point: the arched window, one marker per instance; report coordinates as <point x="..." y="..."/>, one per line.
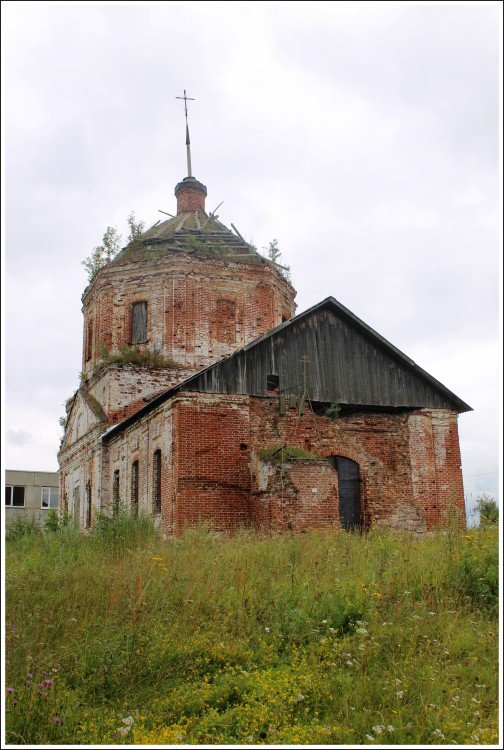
<point x="156" y="482"/>
<point x="134" y="487"/>
<point x="139" y="323"/>
<point x="115" y="493"/>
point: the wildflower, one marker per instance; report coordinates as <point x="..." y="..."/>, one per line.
<point x="469" y="536"/>
<point x="128" y="720"/>
<point x="398" y="681"/>
<point x="11" y="690"/>
<point x="41" y="685"/>
<point x="349" y="662"/>
<point x="378" y="729"/>
<point x="48" y="683"/>
<point x="399" y="694"/>
<point x="57" y="720"/>
<point x="123" y="730"/>
<point x="370" y="737"/>
<point x="439" y="733"/>
<point x="29" y="676"/>
<point x="267" y="630"/>
<point x="390" y="728"/>
<point x="377" y="595"/>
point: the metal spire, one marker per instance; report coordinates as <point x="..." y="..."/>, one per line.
<point x="188" y="141"/>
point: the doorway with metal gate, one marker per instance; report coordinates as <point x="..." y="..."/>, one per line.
<point x="349" y="491"/>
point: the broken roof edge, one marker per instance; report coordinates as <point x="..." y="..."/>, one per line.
<point x="328" y="301"/>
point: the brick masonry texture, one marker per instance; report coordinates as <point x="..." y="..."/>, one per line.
<point x="198" y="309"/>
<point x="409" y="465"/>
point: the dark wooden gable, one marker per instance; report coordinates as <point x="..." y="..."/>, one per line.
<point x="348" y="363"/>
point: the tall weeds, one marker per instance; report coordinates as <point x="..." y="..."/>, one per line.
<point x="317" y="638"/>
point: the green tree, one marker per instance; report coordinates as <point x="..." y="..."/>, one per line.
<point x="103" y="254"/>
<point x="488" y="510"/>
<point x="136" y="228"/>
<point x="274" y="255"/>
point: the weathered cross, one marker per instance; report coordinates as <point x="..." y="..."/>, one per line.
<point x="188" y="141"/>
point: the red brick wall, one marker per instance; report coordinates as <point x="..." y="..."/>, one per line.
<point x="211" y="461"/>
<point x="409" y="463"/>
<point x="198" y="309"/>
<point x="295" y="495"/>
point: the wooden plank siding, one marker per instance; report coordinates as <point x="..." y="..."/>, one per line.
<point x="347" y="365"/>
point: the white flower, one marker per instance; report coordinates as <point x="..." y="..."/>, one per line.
<point x="370" y="737"/>
<point x="349" y="662"/>
<point x="300" y="697"/>
<point x="123" y="730"/>
<point x="390" y="728"/>
<point x="128" y="720"/>
<point x="378" y="729"/>
<point x="438" y="732"/>
<point x="399" y="694"/>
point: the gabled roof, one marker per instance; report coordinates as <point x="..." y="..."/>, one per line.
<point x="236" y="373"/>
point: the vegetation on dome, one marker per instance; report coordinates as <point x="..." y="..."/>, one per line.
<point x="111" y="245"/>
<point x="131" y="355"/>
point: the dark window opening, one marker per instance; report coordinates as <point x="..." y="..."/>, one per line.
<point x="134" y="487"/>
<point x="139" y="323"/>
<point x="273" y="384"/>
<point x="89" y="340"/>
<point x="14" y="496"/>
<point x="115" y="493"/>
<point x="88" y="505"/>
<point x="156" y="469"/>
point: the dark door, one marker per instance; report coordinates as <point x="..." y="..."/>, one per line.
<point x="349" y="491"/>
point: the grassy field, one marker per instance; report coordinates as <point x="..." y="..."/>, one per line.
<point x="319" y="638"/>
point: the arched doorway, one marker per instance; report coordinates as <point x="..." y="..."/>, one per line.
<point x="349" y="491"/>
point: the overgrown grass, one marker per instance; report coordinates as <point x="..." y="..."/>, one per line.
<point x="319" y="638"/>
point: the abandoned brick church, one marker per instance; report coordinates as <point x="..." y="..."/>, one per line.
<point x="205" y="398"/>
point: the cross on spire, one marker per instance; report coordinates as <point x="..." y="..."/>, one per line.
<point x="188" y="141"/>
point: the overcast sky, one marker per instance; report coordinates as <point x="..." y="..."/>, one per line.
<point x="364" y="138"/>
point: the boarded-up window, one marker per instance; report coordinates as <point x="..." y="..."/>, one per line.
<point x="156" y="471"/>
<point x="139" y="323"/>
<point x="134" y="487"/>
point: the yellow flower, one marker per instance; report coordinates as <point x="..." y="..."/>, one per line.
<point x="469" y="536"/>
<point x="377" y="595"/>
